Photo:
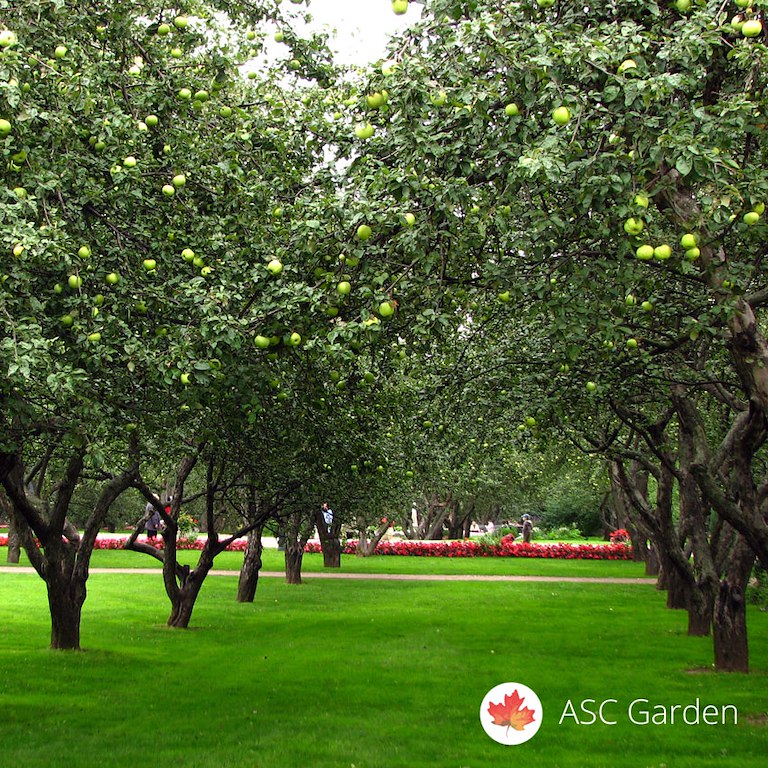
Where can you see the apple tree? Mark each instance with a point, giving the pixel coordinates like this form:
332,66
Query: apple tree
600,173
143,174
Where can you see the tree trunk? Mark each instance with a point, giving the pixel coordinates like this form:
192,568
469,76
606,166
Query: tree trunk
249,572
65,604
183,605
730,616
294,554
14,543
652,564
677,589
331,552
330,540
700,610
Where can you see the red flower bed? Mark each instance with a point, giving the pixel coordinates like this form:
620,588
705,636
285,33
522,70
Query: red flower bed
466,548
507,548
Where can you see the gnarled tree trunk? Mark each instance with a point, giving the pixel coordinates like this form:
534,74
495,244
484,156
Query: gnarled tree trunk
249,571
730,615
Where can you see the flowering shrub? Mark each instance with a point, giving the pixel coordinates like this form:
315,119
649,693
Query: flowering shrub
507,548
620,536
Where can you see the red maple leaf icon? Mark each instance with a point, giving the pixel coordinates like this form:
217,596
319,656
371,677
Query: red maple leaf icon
511,713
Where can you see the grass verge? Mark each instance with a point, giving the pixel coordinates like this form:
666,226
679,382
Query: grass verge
336,674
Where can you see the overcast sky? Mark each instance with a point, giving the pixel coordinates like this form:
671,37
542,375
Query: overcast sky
363,26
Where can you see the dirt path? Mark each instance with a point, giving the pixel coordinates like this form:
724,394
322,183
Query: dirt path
379,576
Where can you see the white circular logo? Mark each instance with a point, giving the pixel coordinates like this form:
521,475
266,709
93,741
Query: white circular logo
511,713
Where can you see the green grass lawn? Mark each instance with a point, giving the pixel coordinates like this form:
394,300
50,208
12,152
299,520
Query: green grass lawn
274,561
367,674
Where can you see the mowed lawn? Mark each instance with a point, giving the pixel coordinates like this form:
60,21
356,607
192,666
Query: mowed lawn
363,674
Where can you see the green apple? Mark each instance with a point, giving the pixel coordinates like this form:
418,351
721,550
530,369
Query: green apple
7,38
201,95
375,100
505,296
662,252
631,343
164,29
74,282
262,342
759,208
683,5
185,94
626,65
5,128
60,51
751,218
647,306
545,3
363,232
512,110
561,115
386,309
688,240
591,386
641,200
113,278
84,252
644,252
344,287
129,162
67,321
692,254
169,190
279,36
205,271
400,7
188,255
94,338
20,192
410,219
150,265
180,22
179,180
275,267
364,130
198,261
18,249
294,339
633,226
439,98
225,111
294,64
185,379
752,28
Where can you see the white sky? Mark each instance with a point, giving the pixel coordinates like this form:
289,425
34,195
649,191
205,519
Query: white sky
363,26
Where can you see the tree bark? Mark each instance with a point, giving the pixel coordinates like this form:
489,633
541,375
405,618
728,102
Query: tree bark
367,546
66,596
294,555
730,615
249,572
330,540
